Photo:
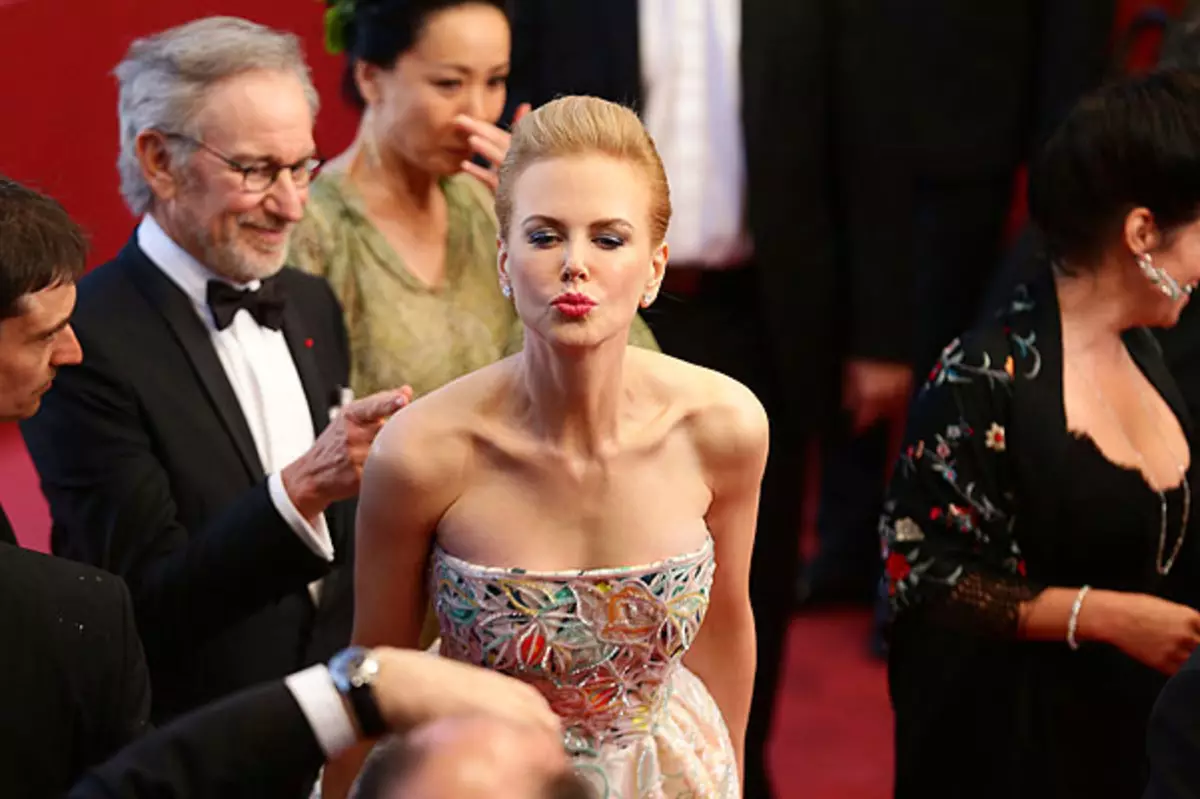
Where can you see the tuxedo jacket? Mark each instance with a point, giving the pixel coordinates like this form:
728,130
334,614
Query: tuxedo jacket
252,745
1173,740
826,199
151,472
73,683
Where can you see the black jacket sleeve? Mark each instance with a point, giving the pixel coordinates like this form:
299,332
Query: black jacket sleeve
256,743
1173,738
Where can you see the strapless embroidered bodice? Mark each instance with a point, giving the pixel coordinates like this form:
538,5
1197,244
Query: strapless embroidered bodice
602,645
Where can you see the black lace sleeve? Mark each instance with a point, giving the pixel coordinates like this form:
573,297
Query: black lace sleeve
949,514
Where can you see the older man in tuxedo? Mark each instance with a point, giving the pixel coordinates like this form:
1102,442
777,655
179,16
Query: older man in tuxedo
198,451
73,683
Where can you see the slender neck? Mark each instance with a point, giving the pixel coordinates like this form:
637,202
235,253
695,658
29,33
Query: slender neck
1097,306
575,397
382,175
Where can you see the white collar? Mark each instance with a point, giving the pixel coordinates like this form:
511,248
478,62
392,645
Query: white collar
180,266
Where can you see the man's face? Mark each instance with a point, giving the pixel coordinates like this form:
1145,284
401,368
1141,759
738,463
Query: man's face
33,344
254,119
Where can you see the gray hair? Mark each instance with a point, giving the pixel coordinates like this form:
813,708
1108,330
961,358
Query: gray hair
163,80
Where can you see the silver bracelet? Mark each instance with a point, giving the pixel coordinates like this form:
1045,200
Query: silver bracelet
1073,622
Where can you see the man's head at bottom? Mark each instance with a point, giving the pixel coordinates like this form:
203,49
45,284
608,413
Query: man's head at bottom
470,758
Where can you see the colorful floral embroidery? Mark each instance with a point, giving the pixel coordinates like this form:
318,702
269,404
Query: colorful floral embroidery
604,647
937,502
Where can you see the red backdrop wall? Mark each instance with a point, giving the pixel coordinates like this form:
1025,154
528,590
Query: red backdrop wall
58,132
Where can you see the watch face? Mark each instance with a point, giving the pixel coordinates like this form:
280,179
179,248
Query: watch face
353,667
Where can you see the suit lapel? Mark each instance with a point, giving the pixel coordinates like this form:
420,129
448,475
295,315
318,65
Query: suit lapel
196,341
7,536
301,348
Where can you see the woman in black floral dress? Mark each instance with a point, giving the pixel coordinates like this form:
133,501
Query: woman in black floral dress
1041,548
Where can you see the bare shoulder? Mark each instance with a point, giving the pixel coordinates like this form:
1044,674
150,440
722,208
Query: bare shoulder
427,446
726,420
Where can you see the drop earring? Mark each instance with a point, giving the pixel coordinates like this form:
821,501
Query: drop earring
506,290
1159,278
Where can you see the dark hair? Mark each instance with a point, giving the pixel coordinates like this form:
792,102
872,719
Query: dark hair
380,31
40,246
1130,144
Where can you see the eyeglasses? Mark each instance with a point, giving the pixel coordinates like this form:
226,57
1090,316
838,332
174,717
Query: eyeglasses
259,177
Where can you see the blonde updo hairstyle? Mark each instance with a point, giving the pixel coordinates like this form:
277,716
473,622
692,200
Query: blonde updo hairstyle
583,126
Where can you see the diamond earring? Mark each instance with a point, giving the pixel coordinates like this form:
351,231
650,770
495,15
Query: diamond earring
506,290
647,299
1159,278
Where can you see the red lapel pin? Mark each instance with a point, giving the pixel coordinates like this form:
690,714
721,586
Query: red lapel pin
308,342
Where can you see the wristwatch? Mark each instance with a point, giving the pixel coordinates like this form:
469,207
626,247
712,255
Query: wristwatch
354,670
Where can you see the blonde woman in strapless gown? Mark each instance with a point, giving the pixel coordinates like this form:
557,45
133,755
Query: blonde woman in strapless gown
581,513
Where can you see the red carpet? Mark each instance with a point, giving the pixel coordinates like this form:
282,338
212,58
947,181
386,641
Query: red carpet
833,739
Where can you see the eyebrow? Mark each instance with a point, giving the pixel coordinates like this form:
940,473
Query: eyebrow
465,70
50,331
615,221
251,158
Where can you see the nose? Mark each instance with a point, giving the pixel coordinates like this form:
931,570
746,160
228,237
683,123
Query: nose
67,351
286,199
573,267
474,103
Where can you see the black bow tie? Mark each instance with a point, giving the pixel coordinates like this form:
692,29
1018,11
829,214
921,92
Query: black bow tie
265,303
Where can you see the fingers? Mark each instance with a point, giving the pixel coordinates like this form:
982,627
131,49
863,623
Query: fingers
378,406
528,706
493,151
487,177
522,110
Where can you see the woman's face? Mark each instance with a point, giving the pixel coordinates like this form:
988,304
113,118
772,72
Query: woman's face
579,252
458,65
1178,255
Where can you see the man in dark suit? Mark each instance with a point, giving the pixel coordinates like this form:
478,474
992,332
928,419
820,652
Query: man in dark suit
193,451
73,683
472,729
787,266
1173,739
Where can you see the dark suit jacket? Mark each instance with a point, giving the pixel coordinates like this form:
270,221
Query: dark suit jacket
985,81
151,473
7,536
1173,740
254,744
825,203
73,683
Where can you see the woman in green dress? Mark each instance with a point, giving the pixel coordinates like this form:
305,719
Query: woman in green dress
402,223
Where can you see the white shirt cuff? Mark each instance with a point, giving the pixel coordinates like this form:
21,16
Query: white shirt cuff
315,535
322,705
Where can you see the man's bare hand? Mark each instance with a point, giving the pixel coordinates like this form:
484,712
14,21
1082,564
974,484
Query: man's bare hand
332,467
874,391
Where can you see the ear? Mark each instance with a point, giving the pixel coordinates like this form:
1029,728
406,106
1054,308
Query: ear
502,261
1141,233
658,268
160,169
366,78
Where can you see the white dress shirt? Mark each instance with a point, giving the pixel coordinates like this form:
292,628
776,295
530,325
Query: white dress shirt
690,65
322,706
263,376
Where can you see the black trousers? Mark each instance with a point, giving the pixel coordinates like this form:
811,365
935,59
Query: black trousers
717,324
